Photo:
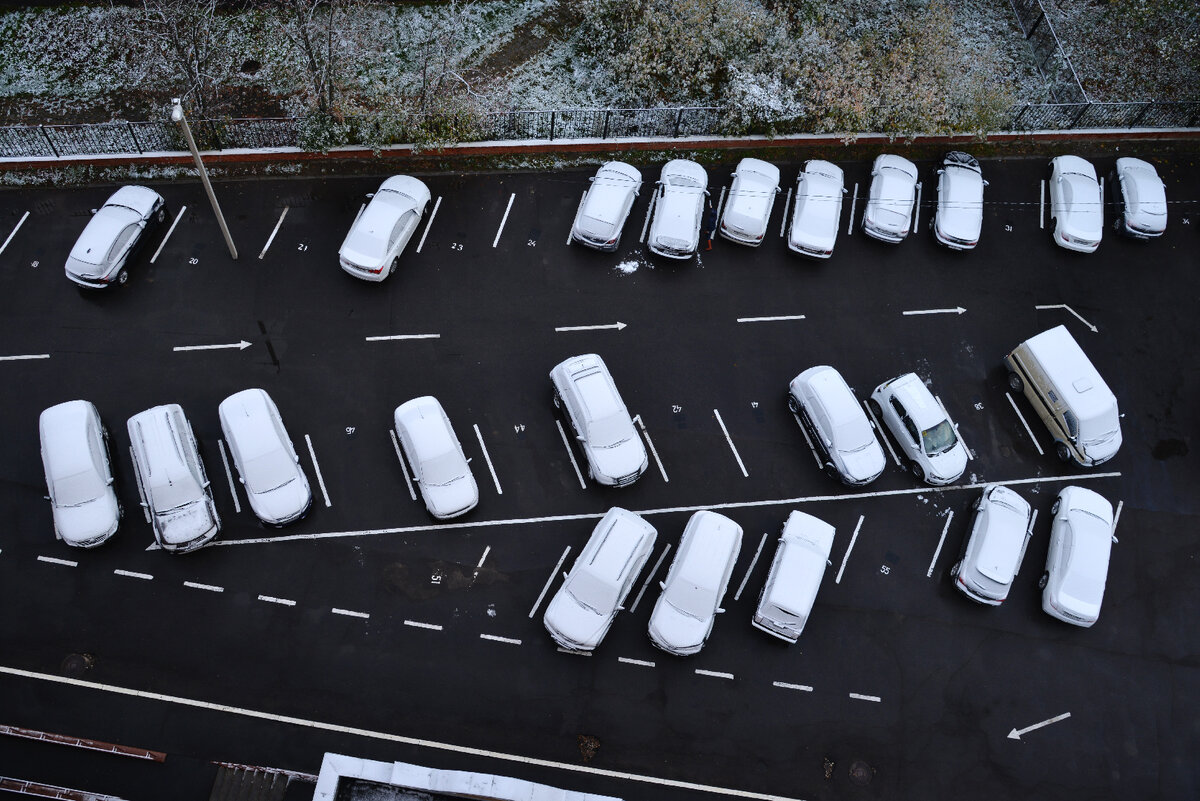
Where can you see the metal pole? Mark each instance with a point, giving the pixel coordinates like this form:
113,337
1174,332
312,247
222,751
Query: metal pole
177,116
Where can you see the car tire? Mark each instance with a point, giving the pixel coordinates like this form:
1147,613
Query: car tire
792,404
917,471
1044,580
1055,507
1016,383
1062,451
123,277
161,215
556,399
954,569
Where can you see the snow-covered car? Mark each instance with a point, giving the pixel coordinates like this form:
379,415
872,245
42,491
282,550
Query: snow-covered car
787,598
678,210
591,595
439,466
1076,204
959,215
818,210
1141,199
115,232
691,596
606,205
751,198
1077,562
893,194
171,479
837,425
995,548
78,474
922,428
584,390
264,457
383,228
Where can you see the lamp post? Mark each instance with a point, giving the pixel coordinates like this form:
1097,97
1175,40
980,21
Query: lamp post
177,116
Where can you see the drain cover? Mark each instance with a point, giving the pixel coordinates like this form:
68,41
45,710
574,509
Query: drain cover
77,664
860,772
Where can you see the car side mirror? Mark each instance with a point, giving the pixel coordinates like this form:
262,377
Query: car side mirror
828,442
564,575
941,172
720,611
241,480
469,458
370,195
620,609
94,211
580,438
207,484
110,481
985,183
592,179
662,585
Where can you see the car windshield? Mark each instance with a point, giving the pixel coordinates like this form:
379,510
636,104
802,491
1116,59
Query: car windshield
683,181
170,496
269,471
692,600
610,431
852,438
78,489
939,439
442,470
593,592
1101,427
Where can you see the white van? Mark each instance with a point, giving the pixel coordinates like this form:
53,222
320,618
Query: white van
787,598
1068,394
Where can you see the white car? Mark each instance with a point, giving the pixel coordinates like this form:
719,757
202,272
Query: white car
584,389
837,425
383,227
438,463
1142,199
1076,204
959,215
751,198
605,206
1077,563
171,480
116,230
678,210
818,210
583,609
922,428
691,595
266,461
787,598
893,194
78,474
995,548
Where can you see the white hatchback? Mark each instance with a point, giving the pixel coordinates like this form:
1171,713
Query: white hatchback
959,216
922,428
1076,204
837,424
751,198
583,609
1142,199
818,210
893,194
584,389
115,232
266,461
995,548
383,228
787,598
605,206
691,595
678,210
1077,562
78,474
438,463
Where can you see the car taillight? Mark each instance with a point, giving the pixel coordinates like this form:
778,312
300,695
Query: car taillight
376,271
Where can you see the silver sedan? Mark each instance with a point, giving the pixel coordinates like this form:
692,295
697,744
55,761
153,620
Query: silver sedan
114,233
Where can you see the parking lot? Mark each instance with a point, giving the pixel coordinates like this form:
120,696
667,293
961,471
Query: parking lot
371,615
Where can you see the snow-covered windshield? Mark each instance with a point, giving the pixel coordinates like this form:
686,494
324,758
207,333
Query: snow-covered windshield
175,495
692,600
442,470
78,489
269,471
610,431
596,594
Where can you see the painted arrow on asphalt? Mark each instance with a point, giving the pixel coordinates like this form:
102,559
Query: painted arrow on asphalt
1064,306
1015,734
955,310
616,326
241,345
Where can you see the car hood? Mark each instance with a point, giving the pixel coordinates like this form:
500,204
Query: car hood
579,626
281,503
106,224
187,524
88,521
674,631
866,464
677,215
948,466
450,499
621,460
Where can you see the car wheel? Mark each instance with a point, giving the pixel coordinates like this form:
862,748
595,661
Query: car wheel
123,276
917,471
954,569
1054,508
791,401
1016,383
873,405
1043,580
161,215
1062,451
556,399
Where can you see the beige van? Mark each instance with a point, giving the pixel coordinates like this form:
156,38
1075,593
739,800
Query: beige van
1072,399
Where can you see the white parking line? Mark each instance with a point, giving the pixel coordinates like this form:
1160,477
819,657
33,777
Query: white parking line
853,206
917,209
394,337
774,319
55,561
351,613
505,640
639,662
207,587
317,469
274,231
24,357
171,230
1028,430
416,624
650,577
271,599
801,687
717,219
732,447
1042,204
570,652
786,205
504,219
1117,519
488,459
570,453
132,574
486,550
738,595
849,548
808,440
649,212
859,697
716,674
966,447
237,506
20,222
582,197
882,435
403,467
941,541
637,418
429,223
549,581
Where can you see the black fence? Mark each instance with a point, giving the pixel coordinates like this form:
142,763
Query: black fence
1052,60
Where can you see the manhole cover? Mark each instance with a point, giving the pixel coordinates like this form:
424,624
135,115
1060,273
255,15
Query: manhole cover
861,773
77,664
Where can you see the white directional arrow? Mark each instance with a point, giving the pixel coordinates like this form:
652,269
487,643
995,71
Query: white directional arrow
617,326
1078,316
1015,734
241,345
955,310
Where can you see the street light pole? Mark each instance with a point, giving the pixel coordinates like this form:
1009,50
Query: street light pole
177,116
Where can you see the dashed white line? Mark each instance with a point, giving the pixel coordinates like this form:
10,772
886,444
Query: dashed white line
132,574
486,550
1028,430
171,230
716,674
738,595
637,418
495,638
1117,519
56,561
20,222
549,581
639,662
1042,204
403,467
859,697
274,231
504,219
853,206
786,686
317,469
941,541
570,652
882,434
237,506
786,204
271,599
917,209
732,447
24,357
570,453
351,613
206,587
649,212
429,224
849,548
395,337
416,624
650,577
570,231
808,440
775,319
488,459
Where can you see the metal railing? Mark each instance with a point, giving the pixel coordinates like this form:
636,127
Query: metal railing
1052,60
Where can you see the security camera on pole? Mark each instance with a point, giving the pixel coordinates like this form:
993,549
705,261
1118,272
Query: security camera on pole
177,116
